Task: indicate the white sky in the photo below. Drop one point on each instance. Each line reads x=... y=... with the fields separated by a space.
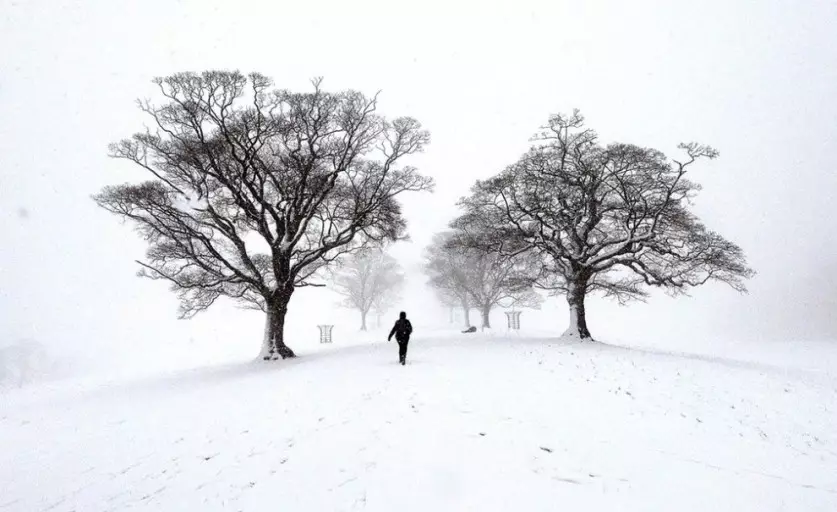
x=754 y=79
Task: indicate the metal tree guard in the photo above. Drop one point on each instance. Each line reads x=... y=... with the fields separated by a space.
x=513 y=320
x=325 y=333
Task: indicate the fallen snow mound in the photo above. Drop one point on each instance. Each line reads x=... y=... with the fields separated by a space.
x=475 y=424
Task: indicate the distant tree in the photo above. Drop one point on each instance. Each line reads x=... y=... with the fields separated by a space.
x=384 y=303
x=449 y=304
x=444 y=268
x=453 y=301
x=479 y=278
x=602 y=219
x=493 y=279
x=256 y=189
x=368 y=280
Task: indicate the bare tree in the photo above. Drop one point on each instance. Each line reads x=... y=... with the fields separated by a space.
x=602 y=219
x=479 y=278
x=255 y=189
x=368 y=280
x=449 y=303
x=383 y=303
x=444 y=268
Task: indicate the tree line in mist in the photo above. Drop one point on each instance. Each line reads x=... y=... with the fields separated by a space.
x=253 y=191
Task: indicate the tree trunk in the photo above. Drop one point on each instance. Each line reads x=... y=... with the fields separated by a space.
x=486 y=316
x=277 y=312
x=266 y=352
x=279 y=332
x=363 y=320
x=578 y=317
x=466 y=314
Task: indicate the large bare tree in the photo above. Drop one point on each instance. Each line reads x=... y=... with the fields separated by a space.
x=254 y=189
x=368 y=280
x=604 y=219
x=479 y=278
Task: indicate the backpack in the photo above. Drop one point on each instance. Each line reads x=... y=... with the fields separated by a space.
x=403 y=328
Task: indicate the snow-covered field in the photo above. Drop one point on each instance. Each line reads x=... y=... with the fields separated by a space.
x=471 y=423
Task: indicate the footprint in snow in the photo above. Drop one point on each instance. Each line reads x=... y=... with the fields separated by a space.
x=567 y=480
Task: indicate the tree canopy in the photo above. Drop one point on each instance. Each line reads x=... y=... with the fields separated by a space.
x=607 y=219
x=252 y=189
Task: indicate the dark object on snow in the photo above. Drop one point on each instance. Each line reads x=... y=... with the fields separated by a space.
x=469 y=330
x=402 y=331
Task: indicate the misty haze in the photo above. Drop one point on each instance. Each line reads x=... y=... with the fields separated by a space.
x=429 y=256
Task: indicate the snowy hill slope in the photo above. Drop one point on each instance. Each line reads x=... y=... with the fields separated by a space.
x=470 y=424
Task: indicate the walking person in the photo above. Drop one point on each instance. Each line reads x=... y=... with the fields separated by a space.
x=401 y=330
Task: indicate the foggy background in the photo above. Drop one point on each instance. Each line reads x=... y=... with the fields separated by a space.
x=756 y=80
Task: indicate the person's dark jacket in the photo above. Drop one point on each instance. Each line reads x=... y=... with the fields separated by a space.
x=401 y=330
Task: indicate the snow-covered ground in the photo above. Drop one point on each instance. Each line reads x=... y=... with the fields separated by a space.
x=471 y=423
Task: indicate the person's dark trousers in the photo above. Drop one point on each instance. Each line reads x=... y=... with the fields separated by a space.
x=402 y=351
